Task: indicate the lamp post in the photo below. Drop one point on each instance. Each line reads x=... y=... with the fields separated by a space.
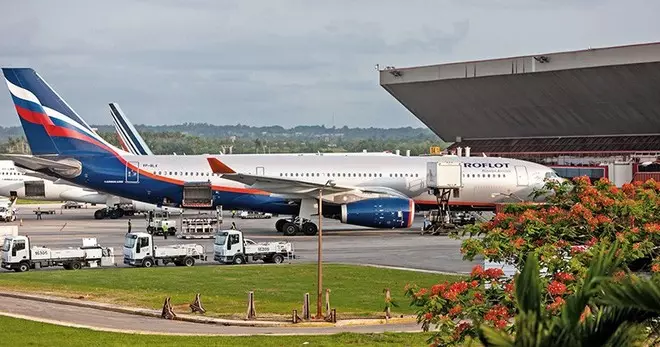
x=319 y=274
x=319 y=310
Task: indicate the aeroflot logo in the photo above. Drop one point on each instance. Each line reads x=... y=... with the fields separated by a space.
x=486 y=165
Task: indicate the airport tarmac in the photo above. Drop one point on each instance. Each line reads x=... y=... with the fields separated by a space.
x=342 y=243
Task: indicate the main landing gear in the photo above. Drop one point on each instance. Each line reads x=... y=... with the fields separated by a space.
x=291 y=227
x=112 y=213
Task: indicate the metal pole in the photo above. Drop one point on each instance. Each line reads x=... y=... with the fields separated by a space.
x=319 y=311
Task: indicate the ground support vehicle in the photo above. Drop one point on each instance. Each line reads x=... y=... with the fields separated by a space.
x=231 y=248
x=159 y=222
x=140 y=250
x=201 y=226
x=19 y=255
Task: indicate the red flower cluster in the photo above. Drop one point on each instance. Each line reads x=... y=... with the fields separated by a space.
x=477 y=271
x=461 y=328
x=439 y=288
x=655 y=267
x=498 y=314
x=454 y=290
x=556 y=288
x=493 y=273
x=578 y=249
x=556 y=304
x=421 y=292
x=564 y=277
x=455 y=310
x=652 y=227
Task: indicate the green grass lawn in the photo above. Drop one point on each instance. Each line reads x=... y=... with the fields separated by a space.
x=356 y=291
x=35 y=202
x=19 y=332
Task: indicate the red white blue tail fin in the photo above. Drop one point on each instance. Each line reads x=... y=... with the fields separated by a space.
x=51 y=126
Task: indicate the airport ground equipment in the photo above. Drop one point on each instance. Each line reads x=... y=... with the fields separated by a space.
x=71 y=204
x=7 y=214
x=50 y=211
x=255 y=215
x=140 y=250
x=159 y=222
x=230 y=247
x=200 y=226
x=444 y=179
x=19 y=255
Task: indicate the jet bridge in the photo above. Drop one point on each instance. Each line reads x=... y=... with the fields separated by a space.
x=444 y=179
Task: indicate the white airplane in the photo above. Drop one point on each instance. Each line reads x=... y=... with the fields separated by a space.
x=373 y=191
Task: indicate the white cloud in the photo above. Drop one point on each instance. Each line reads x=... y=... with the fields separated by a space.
x=283 y=62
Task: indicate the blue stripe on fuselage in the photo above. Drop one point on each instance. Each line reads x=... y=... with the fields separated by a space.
x=107 y=173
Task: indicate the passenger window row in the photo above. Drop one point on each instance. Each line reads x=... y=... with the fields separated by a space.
x=484 y=175
x=343 y=174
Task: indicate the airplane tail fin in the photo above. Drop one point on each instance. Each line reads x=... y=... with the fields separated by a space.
x=129 y=137
x=51 y=126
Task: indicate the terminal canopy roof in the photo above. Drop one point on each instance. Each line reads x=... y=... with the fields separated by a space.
x=606 y=91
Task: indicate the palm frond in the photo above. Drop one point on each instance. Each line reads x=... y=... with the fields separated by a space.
x=642 y=294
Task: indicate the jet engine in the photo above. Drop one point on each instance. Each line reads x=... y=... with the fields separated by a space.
x=379 y=213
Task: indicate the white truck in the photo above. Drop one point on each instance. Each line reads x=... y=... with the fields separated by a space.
x=18 y=255
x=230 y=247
x=140 y=250
x=159 y=222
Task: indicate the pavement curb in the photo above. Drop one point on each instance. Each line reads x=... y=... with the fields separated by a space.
x=202 y=319
x=141 y=311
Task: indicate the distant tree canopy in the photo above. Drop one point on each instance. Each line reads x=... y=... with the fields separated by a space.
x=200 y=138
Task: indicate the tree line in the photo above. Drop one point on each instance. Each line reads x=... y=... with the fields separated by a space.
x=196 y=138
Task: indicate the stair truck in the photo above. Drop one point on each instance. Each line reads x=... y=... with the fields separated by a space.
x=140 y=250
x=19 y=255
x=230 y=247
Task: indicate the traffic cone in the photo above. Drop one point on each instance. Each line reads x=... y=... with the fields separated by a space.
x=167 y=313
x=196 y=306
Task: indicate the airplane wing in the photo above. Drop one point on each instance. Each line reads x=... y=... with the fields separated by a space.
x=37 y=163
x=279 y=185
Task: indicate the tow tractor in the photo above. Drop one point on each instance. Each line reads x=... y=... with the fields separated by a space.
x=140 y=250
x=19 y=255
x=230 y=247
x=159 y=222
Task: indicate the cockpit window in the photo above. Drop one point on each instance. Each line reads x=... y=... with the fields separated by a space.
x=551 y=174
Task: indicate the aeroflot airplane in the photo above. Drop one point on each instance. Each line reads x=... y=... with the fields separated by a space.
x=373 y=191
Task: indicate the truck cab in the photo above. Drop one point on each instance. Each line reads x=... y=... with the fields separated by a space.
x=228 y=247
x=231 y=247
x=16 y=251
x=137 y=247
x=140 y=250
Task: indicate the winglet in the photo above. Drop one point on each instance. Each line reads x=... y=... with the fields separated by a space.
x=219 y=167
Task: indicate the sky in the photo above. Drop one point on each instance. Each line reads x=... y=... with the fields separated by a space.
x=283 y=62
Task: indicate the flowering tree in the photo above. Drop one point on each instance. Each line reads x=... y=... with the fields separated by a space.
x=577 y=219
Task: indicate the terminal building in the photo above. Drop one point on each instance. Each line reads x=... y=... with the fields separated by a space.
x=592 y=112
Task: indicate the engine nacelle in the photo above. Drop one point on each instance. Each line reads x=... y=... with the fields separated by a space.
x=379 y=213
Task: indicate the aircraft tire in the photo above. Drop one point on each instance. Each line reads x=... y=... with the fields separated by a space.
x=290 y=229
x=99 y=214
x=309 y=229
x=279 y=224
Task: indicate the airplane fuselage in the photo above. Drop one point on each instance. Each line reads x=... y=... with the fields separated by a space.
x=157 y=177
